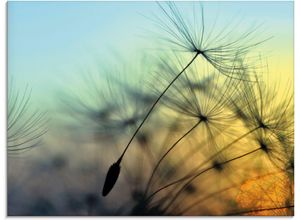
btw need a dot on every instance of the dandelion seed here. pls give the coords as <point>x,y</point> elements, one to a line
<point>261,108</point>
<point>221,49</point>
<point>272,149</point>
<point>218,166</point>
<point>25,127</point>
<point>111,178</point>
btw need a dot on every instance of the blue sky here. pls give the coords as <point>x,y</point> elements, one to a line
<point>49,41</point>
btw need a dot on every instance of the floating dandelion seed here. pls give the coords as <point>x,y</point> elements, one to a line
<point>221,49</point>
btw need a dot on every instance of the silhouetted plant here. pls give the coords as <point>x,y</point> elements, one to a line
<point>217,55</point>
<point>25,126</point>
<point>221,124</point>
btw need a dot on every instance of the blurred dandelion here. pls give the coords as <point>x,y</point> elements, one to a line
<point>110,103</point>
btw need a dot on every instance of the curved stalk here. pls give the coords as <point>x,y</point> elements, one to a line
<point>153,106</point>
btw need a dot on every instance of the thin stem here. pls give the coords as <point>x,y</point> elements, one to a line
<point>166,153</point>
<point>152,107</point>
<point>204,171</point>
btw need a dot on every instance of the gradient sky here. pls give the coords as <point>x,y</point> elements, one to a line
<point>49,41</point>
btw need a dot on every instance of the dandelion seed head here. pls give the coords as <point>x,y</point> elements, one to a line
<point>218,166</point>
<point>264,147</point>
<point>273,150</point>
<point>191,189</point>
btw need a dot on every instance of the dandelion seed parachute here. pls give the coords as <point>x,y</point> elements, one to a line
<point>25,127</point>
<point>262,106</point>
<point>221,49</point>
<point>272,151</point>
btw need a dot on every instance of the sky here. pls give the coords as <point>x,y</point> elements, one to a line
<point>49,42</point>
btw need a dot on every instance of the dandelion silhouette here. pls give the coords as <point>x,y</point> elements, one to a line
<point>219,118</point>
<point>24,126</point>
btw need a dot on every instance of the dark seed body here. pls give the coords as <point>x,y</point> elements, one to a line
<point>111,178</point>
